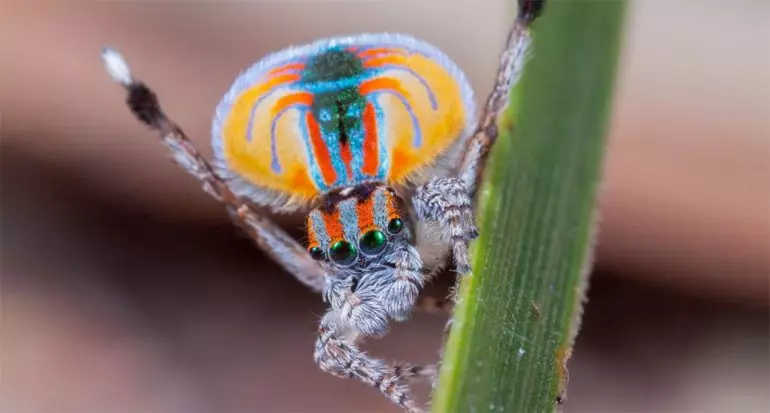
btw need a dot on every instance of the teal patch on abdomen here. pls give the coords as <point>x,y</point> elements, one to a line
<point>332,65</point>
<point>333,77</point>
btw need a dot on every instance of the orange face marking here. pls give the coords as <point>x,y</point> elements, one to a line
<point>320,151</point>
<point>334,226</point>
<point>312,238</point>
<point>365,211</point>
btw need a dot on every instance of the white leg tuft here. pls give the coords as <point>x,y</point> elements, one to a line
<point>116,66</point>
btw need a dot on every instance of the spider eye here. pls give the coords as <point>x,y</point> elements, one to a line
<point>395,225</point>
<point>316,253</point>
<point>373,242</point>
<point>343,253</point>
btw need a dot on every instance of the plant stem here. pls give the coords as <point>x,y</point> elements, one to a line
<point>516,318</point>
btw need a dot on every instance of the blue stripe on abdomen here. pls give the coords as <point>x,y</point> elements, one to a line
<point>275,165</point>
<point>431,95</point>
<point>417,139</point>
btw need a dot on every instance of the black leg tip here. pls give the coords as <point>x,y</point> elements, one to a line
<point>529,10</point>
<point>144,104</point>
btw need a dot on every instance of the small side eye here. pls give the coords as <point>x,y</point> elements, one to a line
<point>373,242</point>
<point>343,253</point>
<point>316,253</point>
<point>395,225</point>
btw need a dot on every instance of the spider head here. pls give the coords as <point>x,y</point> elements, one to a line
<point>355,227</point>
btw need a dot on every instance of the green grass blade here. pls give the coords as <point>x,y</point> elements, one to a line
<point>516,318</point>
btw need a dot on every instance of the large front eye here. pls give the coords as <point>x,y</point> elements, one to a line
<point>343,253</point>
<point>373,242</point>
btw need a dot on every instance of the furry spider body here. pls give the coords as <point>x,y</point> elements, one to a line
<point>375,137</point>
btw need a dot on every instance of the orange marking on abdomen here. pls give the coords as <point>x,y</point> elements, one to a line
<point>320,151</point>
<point>399,157</point>
<point>382,50</point>
<point>279,80</point>
<point>382,83</point>
<point>301,98</point>
<point>252,95</point>
<point>301,182</point>
<point>347,158</point>
<point>385,60</point>
<point>371,149</point>
<point>286,67</point>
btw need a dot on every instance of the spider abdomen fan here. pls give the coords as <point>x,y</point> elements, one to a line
<point>340,112</point>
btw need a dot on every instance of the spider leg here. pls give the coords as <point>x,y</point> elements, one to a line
<point>336,352</point>
<point>433,305</point>
<point>414,372</point>
<point>512,62</point>
<point>269,237</point>
<point>359,309</point>
<point>448,200</point>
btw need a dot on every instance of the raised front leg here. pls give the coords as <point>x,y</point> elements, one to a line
<point>447,203</point>
<point>269,237</point>
<point>510,69</point>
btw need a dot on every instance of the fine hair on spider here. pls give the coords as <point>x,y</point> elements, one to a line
<point>376,138</point>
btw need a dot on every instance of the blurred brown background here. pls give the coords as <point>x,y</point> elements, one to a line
<point>125,289</point>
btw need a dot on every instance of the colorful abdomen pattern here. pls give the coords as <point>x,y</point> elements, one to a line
<point>342,112</point>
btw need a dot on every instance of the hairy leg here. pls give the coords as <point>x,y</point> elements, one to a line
<point>414,372</point>
<point>359,309</point>
<point>353,316</point>
<point>449,201</point>
<point>512,62</point>
<point>363,300</point>
<point>269,237</point>
<point>336,353</point>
